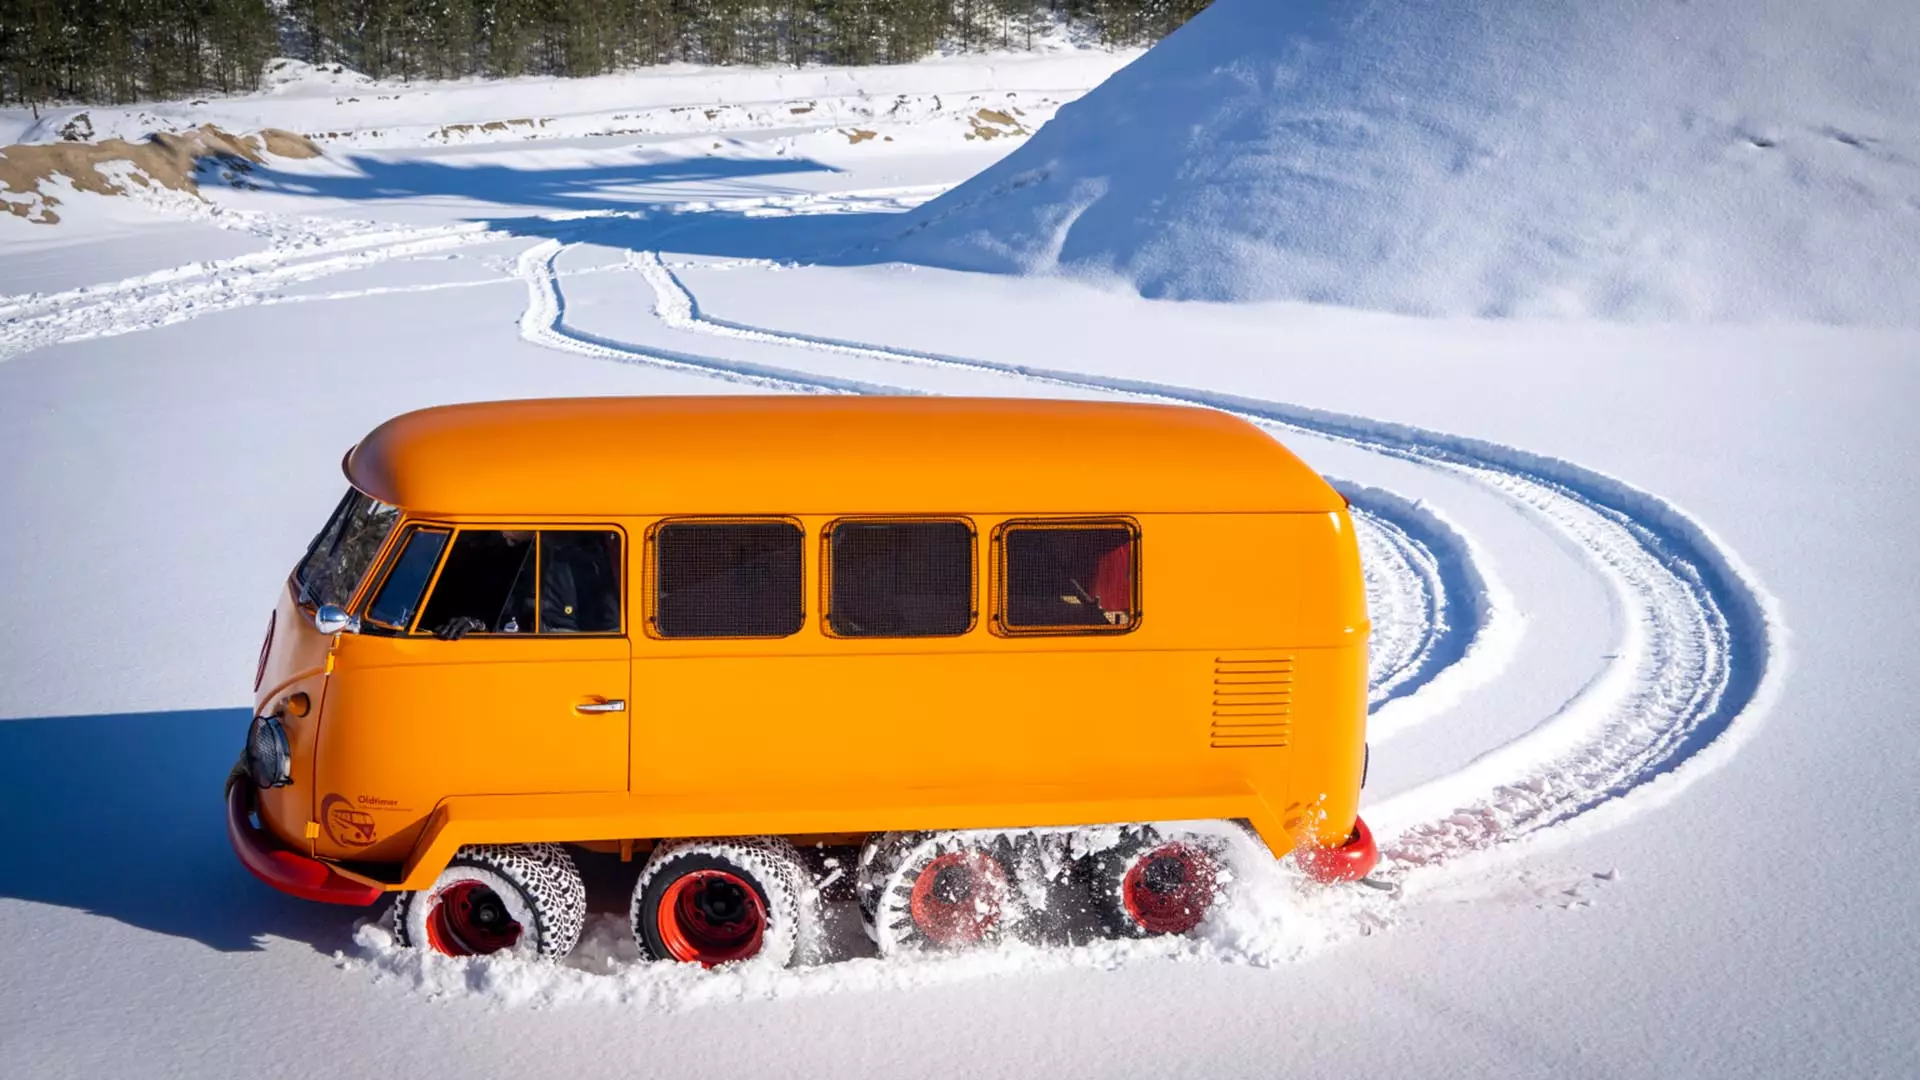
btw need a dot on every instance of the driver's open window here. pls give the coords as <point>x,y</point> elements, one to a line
<point>1067,577</point>
<point>519,581</point>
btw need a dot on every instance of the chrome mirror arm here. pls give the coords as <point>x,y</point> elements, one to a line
<point>332,619</point>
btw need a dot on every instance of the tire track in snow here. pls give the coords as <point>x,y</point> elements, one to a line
<point>1472,631</point>
<point>1405,601</point>
<point>150,301</point>
<point>315,248</point>
<point>1703,648</point>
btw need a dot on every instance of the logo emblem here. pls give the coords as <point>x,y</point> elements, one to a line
<point>348,827</point>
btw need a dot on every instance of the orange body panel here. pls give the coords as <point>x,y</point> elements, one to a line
<point>1239,691</point>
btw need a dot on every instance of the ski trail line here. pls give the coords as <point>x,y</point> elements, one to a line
<point>1701,660</point>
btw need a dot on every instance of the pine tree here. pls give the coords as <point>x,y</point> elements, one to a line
<point>121,50</point>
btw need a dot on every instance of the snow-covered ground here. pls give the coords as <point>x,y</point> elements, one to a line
<point>1642,737</point>
<point>338,107</point>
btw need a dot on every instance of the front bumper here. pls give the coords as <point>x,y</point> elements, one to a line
<point>293,874</point>
<point>1351,861</point>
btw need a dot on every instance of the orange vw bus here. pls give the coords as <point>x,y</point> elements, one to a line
<point>698,632</point>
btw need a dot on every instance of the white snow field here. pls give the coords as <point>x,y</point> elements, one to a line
<point>1642,737</point>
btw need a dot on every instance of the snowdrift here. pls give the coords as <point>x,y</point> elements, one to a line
<point>1628,159</point>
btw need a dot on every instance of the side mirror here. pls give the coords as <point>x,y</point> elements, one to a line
<point>330,619</point>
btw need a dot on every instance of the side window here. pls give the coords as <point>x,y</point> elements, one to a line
<point>900,578</point>
<point>486,587</point>
<point>726,579</point>
<point>400,596</point>
<point>580,582</point>
<point>1068,578</point>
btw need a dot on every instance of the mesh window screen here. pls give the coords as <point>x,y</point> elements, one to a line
<point>901,579</point>
<point>1069,578</point>
<point>727,579</point>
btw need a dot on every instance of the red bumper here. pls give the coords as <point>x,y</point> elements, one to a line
<point>1350,861</point>
<point>296,875</point>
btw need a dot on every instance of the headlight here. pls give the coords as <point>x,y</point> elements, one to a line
<point>267,756</point>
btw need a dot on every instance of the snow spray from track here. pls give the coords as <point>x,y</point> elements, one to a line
<point>1701,659</point>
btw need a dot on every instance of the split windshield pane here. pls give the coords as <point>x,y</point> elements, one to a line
<point>344,550</point>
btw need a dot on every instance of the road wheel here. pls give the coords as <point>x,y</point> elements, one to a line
<point>522,900</point>
<point>1149,885</point>
<point>937,891</point>
<point>713,902</point>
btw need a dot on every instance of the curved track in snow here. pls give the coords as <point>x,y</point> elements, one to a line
<point>1702,644</point>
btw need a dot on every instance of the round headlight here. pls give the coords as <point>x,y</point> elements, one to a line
<point>267,755</point>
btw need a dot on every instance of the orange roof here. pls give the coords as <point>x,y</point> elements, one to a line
<point>753,454</point>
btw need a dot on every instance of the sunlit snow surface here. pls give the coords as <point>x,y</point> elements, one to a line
<point>1584,544</point>
<point>1622,159</point>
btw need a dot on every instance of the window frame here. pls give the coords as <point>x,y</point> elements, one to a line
<point>454,529</point>
<point>650,574</point>
<point>405,533</point>
<point>540,574</point>
<point>826,572</point>
<point>1000,602</point>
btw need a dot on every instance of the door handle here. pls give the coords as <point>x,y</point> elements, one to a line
<point>615,705</point>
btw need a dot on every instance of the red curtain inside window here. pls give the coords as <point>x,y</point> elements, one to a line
<point>1113,579</point>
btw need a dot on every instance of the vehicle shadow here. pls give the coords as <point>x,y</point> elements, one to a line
<point>120,816</point>
<point>637,185</point>
<point>664,205</point>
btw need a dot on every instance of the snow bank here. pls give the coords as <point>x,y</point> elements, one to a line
<point>1630,159</point>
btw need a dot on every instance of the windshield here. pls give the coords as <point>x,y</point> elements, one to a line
<point>344,549</point>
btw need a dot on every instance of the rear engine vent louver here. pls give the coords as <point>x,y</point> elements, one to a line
<point>1252,702</point>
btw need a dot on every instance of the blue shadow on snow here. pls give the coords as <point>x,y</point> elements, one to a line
<point>594,187</point>
<point>121,816</point>
<point>660,221</point>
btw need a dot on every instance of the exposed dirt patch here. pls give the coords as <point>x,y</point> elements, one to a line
<point>170,161</point>
<point>992,123</point>
<point>288,145</point>
<point>859,135</point>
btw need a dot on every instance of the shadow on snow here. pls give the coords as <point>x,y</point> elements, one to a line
<point>121,816</point>
<point>586,187</point>
<point>654,193</point>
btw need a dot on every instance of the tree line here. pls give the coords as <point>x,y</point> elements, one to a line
<point>105,51</point>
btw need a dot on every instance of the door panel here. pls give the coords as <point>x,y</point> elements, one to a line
<point>410,721</point>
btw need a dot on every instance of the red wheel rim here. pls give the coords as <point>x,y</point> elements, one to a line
<point>469,919</point>
<point>1168,889</point>
<point>958,898</point>
<point>710,917</point>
